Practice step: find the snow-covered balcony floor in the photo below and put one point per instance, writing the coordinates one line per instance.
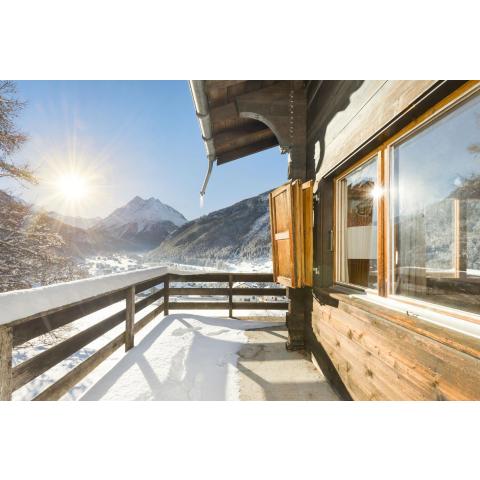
(192, 356)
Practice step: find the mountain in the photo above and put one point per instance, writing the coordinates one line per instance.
(238, 232)
(143, 224)
(79, 222)
(76, 242)
(80, 243)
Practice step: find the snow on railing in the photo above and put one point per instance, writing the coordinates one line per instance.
(21, 304)
(27, 314)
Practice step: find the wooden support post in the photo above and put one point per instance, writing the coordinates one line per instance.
(296, 317)
(166, 291)
(299, 298)
(130, 319)
(6, 348)
(230, 296)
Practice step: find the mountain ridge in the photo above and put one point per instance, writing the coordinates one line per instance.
(144, 223)
(238, 232)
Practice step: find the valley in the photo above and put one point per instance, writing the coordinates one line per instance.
(141, 233)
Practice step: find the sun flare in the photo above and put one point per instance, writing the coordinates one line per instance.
(72, 186)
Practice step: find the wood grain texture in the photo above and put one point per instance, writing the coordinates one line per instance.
(297, 261)
(166, 294)
(225, 305)
(230, 297)
(291, 223)
(378, 359)
(285, 234)
(225, 291)
(220, 277)
(6, 347)
(260, 305)
(361, 119)
(129, 318)
(307, 213)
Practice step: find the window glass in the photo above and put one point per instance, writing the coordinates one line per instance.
(435, 216)
(357, 226)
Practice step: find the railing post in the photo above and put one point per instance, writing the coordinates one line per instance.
(166, 288)
(130, 319)
(6, 348)
(230, 296)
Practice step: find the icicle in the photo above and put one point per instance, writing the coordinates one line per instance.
(202, 201)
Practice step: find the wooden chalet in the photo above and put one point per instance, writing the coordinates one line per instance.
(376, 234)
(375, 245)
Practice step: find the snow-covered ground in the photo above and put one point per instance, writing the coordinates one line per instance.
(184, 356)
(181, 347)
(260, 266)
(103, 265)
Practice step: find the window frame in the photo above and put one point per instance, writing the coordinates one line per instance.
(375, 155)
(384, 154)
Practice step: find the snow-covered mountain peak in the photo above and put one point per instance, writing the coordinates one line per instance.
(142, 212)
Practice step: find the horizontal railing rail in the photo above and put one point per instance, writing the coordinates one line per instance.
(16, 331)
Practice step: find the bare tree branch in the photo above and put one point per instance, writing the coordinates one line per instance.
(10, 138)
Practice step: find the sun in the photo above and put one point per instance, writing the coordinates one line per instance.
(72, 186)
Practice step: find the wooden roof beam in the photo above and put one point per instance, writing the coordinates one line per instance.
(269, 93)
(246, 150)
(222, 83)
(223, 113)
(235, 140)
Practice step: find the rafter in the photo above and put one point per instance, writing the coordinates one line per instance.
(246, 150)
(232, 142)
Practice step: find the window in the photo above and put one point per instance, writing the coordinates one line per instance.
(435, 210)
(356, 223)
(424, 186)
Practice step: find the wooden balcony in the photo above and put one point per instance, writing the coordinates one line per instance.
(154, 291)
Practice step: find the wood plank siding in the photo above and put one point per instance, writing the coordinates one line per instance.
(327, 127)
(378, 359)
(369, 353)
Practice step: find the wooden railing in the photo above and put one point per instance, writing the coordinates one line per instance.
(19, 331)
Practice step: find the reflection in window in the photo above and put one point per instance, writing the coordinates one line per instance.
(357, 226)
(435, 213)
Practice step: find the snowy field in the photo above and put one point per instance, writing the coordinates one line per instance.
(103, 265)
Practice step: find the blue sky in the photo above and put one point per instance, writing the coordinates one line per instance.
(131, 138)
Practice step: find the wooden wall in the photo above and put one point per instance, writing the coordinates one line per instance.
(347, 114)
(378, 359)
(364, 355)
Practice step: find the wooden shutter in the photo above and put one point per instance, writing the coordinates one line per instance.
(307, 210)
(291, 230)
